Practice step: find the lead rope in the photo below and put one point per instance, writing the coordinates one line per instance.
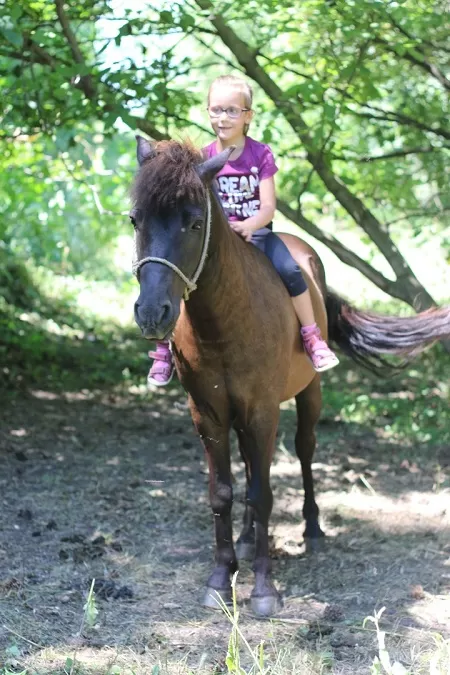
(191, 284)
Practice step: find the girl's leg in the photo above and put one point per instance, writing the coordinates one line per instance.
(318, 351)
(303, 308)
(162, 369)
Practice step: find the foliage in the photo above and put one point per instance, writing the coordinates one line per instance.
(408, 407)
(72, 205)
(47, 339)
(16, 284)
(353, 97)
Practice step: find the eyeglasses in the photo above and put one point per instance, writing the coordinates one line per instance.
(233, 111)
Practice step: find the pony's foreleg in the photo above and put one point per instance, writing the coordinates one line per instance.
(245, 545)
(308, 403)
(215, 439)
(257, 444)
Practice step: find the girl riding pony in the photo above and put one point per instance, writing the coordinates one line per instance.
(246, 189)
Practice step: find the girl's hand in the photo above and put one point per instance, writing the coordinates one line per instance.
(242, 230)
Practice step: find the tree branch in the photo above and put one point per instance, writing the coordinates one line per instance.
(389, 115)
(68, 33)
(221, 57)
(428, 67)
(86, 84)
(40, 55)
(94, 190)
(37, 54)
(400, 118)
(288, 69)
(416, 39)
(389, 155)
(412, 290)
(344, 254)
(423, 213)
(149, 128)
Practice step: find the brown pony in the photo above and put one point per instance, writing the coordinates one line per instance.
(236, 343)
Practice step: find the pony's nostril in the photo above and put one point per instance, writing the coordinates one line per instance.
(166, 309)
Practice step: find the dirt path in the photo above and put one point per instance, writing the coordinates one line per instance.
(115, 488)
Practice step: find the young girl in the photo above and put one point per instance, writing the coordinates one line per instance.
(247, 192)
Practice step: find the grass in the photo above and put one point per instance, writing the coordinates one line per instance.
(240, 658)
(411, 406)
(432, 662)
(67, 334)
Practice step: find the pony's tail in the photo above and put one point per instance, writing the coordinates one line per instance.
(370, 339)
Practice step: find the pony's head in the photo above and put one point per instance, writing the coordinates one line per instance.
(171, 216)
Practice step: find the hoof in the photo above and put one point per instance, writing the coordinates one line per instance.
(245, 550)
(315, 544)
(268, 605)
(211, 598)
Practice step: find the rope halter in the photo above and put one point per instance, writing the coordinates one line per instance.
(190, 284)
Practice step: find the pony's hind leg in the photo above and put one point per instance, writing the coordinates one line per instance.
(215, 439)
(309, 403)
(257, 444)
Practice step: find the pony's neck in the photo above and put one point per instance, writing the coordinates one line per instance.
(221, 287)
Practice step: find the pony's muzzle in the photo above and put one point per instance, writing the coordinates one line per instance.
(156, 322)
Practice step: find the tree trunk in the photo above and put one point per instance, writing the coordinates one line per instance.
(406, 286)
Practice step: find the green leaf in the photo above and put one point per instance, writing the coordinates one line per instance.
(165, 16)
(12, 36)
(16, 12)
(90, 608)
(126, 29)
(187, 21)
(13, 651)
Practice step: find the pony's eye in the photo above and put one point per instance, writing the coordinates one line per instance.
(133, 215)
(197, 225)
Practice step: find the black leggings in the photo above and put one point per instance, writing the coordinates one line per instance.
(278, 253)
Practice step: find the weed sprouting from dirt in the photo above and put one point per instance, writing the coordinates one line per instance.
(233, 658)
(432, 662)
(382, 663)
(11, 662)
(90, 613)
(90, 609)
(281, 661)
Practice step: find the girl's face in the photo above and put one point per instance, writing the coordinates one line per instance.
(227, 127)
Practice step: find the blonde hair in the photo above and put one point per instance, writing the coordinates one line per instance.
(234, 82)
(237, 83)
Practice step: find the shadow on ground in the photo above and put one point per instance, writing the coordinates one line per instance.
(113, 486)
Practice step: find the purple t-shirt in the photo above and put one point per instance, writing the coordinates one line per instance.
(238, 181)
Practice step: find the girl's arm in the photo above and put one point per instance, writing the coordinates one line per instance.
(265, 214)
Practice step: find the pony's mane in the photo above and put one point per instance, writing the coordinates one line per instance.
(168, 176)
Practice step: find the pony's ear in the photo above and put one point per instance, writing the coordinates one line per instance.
(144, 150)
(208, 169)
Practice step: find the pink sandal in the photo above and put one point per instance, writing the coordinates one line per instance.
(317, 350)
(162, 369)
